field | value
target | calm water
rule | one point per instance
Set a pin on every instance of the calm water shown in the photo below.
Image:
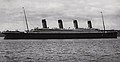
(59, 50)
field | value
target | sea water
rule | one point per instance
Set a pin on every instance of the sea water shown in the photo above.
(60, 50)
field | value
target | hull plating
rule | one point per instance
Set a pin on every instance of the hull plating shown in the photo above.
(59, 35)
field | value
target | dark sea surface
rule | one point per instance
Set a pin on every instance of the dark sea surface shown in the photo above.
(60, 50)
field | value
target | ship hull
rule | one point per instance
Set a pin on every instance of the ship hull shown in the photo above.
(59, 35)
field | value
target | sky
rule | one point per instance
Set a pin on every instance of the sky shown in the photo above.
(12, 17)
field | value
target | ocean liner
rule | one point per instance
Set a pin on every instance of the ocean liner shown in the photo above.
(61, 32)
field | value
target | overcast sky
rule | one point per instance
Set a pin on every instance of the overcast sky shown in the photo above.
(12, 18)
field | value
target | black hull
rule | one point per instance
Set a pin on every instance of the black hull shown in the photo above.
(59, 35)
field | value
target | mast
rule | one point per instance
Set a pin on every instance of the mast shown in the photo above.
(103, 22)
(25, 19)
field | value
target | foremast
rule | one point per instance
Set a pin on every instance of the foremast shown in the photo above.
(26, 19)
(103, 21)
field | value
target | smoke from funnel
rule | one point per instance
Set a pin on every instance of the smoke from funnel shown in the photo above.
(89, 24)
(60, 24)
(75, 24)
(44, 23)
